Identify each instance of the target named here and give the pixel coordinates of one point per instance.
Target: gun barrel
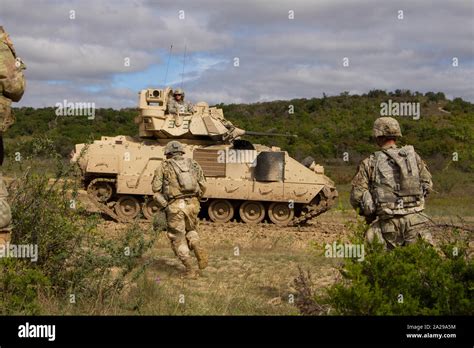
(271, 134)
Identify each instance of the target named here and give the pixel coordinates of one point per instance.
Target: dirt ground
(251, 268)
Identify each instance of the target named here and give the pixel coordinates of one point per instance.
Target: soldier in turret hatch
(177, 106)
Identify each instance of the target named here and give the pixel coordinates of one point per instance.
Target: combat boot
(201, 255)
(190, 272)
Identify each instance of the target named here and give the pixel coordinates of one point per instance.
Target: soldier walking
(389, 189)
(12, 87)
(178, 184)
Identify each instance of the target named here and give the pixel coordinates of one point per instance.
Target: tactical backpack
(186, 175)
(396, 186)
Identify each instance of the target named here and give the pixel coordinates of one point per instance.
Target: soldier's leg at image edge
(5, 214)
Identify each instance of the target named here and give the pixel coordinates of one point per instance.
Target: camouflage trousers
(399, 230)
(5, 214)
(182, 218)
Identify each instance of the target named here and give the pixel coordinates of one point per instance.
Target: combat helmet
(174, 147)
(178, 91)
(386, 127)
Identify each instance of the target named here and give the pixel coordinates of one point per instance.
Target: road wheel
(127, 207)
(280, 213)
(252, 212)
(150, 208)
(220, 210)
(101, 190)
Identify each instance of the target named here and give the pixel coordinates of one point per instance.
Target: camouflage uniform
(182, 209)
(5, 214)
(12, 86)
(179, 107)
(398, 222)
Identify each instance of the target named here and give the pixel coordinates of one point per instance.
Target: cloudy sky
(78, 50)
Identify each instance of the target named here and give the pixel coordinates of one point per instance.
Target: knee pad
(5, 214)
(192, 237)
(183, 251)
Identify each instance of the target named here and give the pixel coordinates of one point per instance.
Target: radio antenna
(168, 65)
(184, 63)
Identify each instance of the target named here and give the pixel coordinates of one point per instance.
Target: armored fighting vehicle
(246, 181)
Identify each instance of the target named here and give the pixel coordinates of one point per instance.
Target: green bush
(74, 257)
(326, 126)
(19, 287)
(412, 280)
(417, 279)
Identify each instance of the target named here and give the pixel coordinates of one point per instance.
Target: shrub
(20, 285)
(412, 280)
(74, 257)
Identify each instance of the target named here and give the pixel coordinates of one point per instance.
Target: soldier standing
(12, 87)
(389, 189)
(178, 184)
(177, 106)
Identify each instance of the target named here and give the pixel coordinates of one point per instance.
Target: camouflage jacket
(12, 81)
(166, 182)
(363, 180)
(175, 107)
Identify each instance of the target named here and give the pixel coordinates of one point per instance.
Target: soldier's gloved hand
(160, 200)
(426, 190)
(368, 205)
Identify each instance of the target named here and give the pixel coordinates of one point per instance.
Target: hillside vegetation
(89, 265)
(327, 127)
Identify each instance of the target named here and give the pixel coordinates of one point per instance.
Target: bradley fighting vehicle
(244, 180)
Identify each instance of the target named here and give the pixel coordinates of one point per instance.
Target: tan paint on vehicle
(129, 163)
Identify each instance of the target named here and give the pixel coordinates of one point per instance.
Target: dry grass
(257, 281)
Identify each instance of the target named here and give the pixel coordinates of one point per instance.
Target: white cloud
(279, 58)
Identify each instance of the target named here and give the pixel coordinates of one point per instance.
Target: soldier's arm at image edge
(6, 59)
(360, 184)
